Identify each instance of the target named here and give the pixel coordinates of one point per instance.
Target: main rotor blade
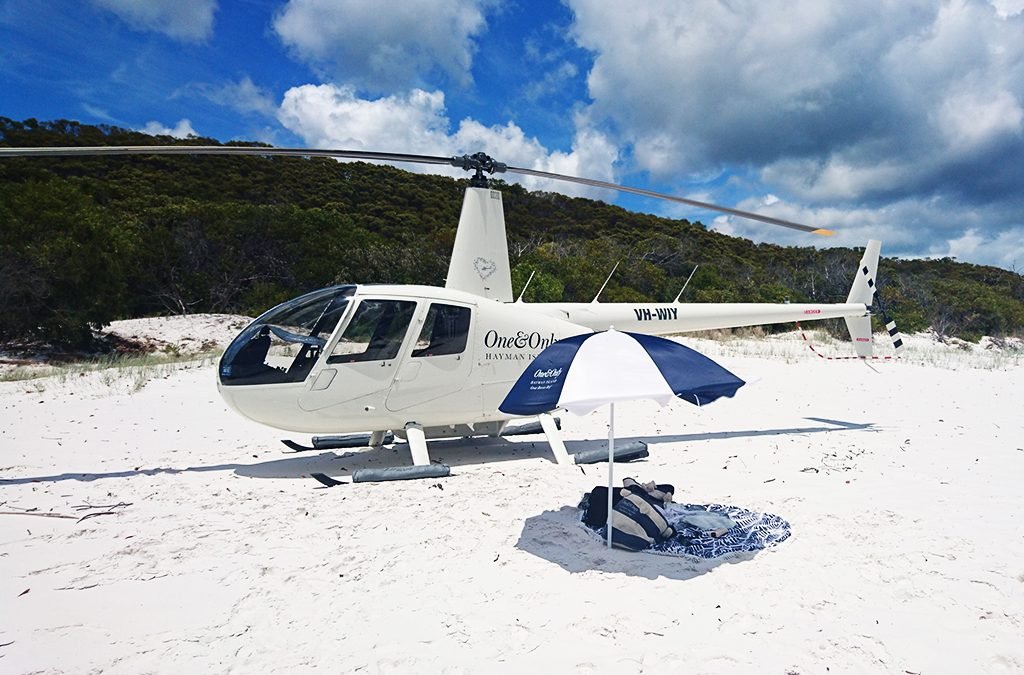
(223, 150)
(478, 162)
(672, 198)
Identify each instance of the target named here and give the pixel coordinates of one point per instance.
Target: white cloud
(183, 129)
(327, 115)
(836, 178)
(416, 122)
(189, 21)
(769, 81)
(1003, 249)
(554, 80)
(244, 96)
(1007, 8)
(971, 120)
(713, 80)
(384, 47)
(918, 227)
(863, 111)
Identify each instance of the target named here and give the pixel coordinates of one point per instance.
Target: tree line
(87, 240)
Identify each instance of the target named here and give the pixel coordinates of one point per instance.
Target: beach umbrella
(584, 372)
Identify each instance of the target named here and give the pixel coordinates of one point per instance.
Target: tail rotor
(890, 325)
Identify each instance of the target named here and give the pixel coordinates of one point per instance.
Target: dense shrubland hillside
(84, 241)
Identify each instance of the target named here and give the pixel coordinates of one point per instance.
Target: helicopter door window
(445, 331)
(375, 333)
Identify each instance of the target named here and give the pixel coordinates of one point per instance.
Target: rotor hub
(479, 163)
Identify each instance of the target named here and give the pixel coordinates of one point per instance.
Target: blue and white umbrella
(584, 372)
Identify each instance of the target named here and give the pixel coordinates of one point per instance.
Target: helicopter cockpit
(284, 343)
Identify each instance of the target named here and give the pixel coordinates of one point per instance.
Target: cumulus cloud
(1002, 248)
(972, 120)
(1007, 8)
(183, 129)
(383, 48)
(416, 122)
(243, 96)
(868, 113)
(329, 115)
(913, 227)
(190, 21)
(769, 81)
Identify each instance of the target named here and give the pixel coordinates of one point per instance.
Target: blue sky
(895, 121)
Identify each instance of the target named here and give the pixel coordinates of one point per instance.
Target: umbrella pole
(611, 466)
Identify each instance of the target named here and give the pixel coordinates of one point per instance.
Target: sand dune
(194, 545)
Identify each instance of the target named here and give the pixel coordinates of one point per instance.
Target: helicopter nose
(276, 405)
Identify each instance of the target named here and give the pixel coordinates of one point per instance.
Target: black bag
(638, 520)
(595, 504)
(595, 512)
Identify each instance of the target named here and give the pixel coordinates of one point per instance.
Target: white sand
(902, 485)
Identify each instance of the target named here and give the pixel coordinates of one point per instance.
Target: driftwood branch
(35, 513)
(86, 507)
(81, 507)
(98, 513)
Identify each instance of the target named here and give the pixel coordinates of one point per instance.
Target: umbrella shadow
(559, 537)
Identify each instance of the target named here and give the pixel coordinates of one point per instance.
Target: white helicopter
(423, 362)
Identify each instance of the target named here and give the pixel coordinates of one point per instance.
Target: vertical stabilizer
(479, 262)
(863, 289)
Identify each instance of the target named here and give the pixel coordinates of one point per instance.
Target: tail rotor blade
(890, 325)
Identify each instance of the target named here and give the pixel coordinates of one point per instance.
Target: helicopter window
(445, 331)
(375, 332)
(284, 343)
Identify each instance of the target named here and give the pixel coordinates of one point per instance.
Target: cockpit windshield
(284, 343)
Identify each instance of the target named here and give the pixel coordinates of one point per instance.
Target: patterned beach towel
(749, 530)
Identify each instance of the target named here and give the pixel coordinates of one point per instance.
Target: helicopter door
(438, 365)
(363, 360)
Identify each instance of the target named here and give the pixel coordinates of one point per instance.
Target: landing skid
(387, 473)
(530, 428)
(336, 442)
(416, 437)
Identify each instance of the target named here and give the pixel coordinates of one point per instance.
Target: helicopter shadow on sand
(560, 538)
(474, 451)
(454, 452)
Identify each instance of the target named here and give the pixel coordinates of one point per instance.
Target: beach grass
(135, 370)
